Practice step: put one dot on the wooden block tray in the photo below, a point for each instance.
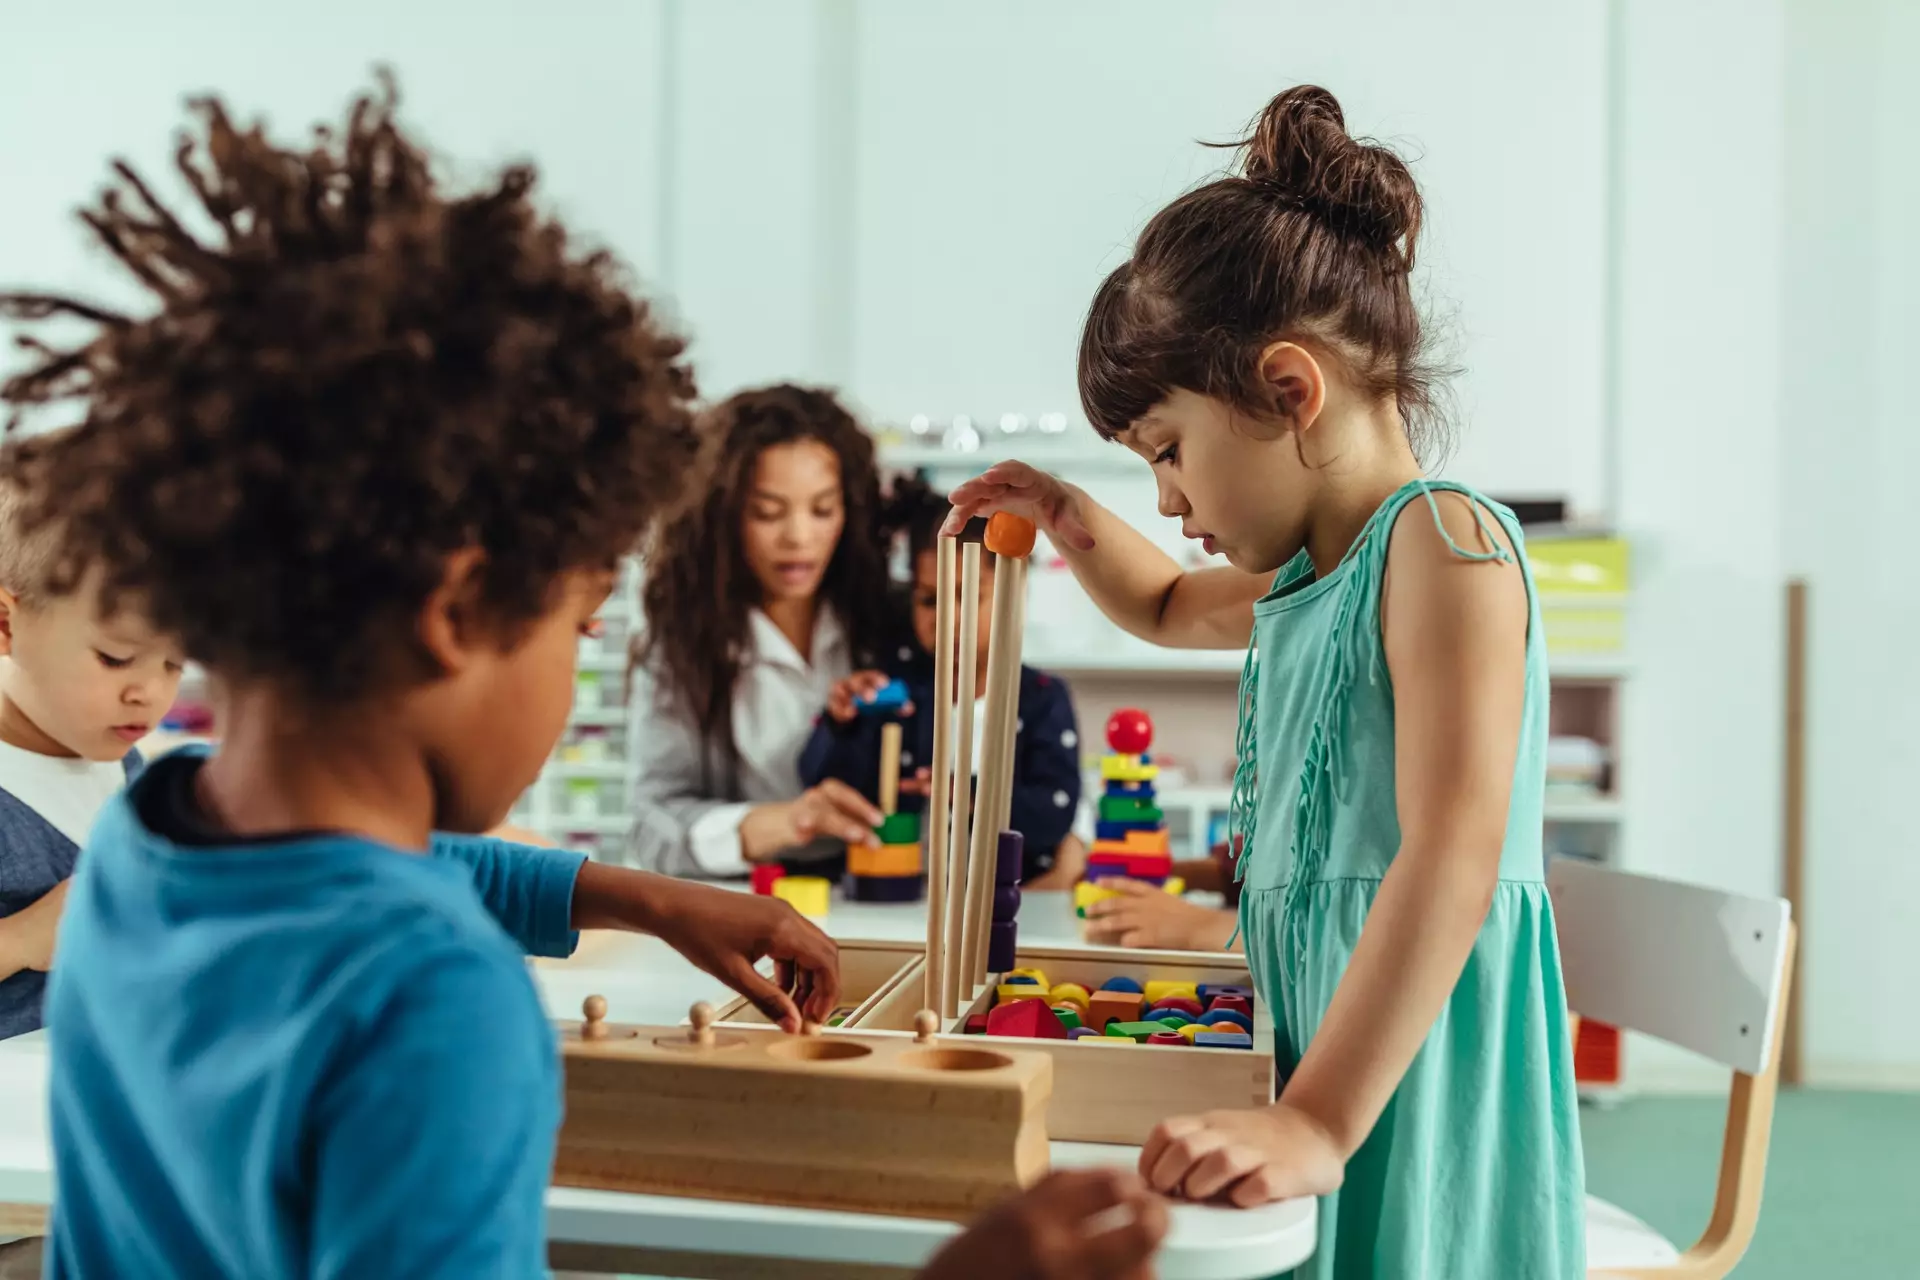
(869, 971)
(873, 1124)
(1102, 1092)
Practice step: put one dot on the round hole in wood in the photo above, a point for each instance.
(818, 1049)
(955, 1060)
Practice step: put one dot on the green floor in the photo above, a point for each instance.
(1843, 1179)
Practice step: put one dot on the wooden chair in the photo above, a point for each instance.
(1704, 970)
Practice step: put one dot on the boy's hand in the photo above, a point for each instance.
(1090, 1224)
(845, 698)
(1145, 915)
(27, 936)
(1014, 486)
(1244, 1158)
(727, 933)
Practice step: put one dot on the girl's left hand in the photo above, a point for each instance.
(1243, 1157)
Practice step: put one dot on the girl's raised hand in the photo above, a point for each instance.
(1051, 504)
(1244, 1158)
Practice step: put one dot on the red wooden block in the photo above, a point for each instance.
(1232, 1004)
(1167, 1037)
(1140, 866)
(764, 874)
(1027, 1018)
(977, 1023)
(1189, 1007)
(1109, 1006)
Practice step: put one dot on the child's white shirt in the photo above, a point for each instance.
(68, 793)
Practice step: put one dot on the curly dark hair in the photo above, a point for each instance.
(1312, 240)
(698, 586)
(356, 376)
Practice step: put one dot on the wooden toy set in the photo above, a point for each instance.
(1130, 834)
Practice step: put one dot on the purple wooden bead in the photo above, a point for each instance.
(1002, 941)
(882, 888)
(1080, 1033)
(1010, 858)
(1006, 902)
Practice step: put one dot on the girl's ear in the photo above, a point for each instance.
(8, 604)
(1295, 383)
(449, 622)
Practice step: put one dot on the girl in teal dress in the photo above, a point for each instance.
(1261, 350)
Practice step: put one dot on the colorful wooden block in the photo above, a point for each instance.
(976, 1024)
(1127, 769)
(1181, 1004)
(1174, 885)
(1128, 809)
(1118, 787)
(1227, 1018)
(1028, 975)
(882, 888)
(1112, 1006)
(1134, 1031)
(1068, 1015)
(1209, 991)
(885, 700)
(1120, 982)
(809, 895)
(1223, 1040)
(1130, 730)
(1086, 893)
(887, 860)
(1069, 991)
(1082, 1033)
(1167, 1038)
(899, 828)
(1121, 830)
(763, 876)
(1232, 1004)
(1163, 989)
(1030, 1019)
(1105, 862)
(1003, 940)
(1008, 992)
(1170, 1017)
(1191, 1030)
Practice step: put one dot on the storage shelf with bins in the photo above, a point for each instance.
(580, 799)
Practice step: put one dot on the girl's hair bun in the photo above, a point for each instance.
(1300, 151)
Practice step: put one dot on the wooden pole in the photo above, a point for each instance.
(890, 767)
(1018, 566)
(967, 660)
(1794, 823)
(945, 555)
(986, 832)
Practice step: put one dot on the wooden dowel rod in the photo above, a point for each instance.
(1013, 571)
(986, 834)
(967, 660)
(1794, 825)
(945, 555)
(890, 767)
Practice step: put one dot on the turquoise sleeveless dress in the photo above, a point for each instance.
(1474, 1171)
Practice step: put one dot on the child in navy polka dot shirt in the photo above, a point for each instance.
(1046, 754)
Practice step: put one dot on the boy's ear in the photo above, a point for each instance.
(449, 622)
(9, 604)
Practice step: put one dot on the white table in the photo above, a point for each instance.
(614, 1231)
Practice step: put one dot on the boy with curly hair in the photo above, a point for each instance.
(373, 457)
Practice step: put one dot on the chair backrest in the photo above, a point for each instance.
(1693, 966)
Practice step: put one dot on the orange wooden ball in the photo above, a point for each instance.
(1009, 535)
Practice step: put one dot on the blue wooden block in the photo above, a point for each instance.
(1223, 1040)
(1208, 990)
(888, 699)
(1130, 790)
(1119, 830)
(1119, 983)
(1230, 1017)
(1019, 979)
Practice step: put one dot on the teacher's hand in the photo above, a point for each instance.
(832, 809)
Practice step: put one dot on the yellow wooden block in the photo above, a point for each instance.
(1161, 989)
(1020, 991)
(1127, 769)
(809, 895)
(1191, 1030)
(1175, 886)
(1069, 991)
(1035, 974)
(887, 860)
(1086, 893)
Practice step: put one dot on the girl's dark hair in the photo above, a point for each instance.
(354, 377)
(917, 509)
(1312, 240)
(699, 588)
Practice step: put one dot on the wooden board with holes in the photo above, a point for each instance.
(872, 1124)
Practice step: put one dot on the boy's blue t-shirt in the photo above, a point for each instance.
(314, 1056)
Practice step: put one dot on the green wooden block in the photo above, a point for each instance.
(1068, 1015)
(1127, 809)
(899, 828)
(1134, 1031)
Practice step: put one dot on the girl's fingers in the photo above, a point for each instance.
(1218, 1170)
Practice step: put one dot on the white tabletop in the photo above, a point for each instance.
(647, 982)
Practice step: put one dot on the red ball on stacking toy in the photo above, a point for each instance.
(1129, 731)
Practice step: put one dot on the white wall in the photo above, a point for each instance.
(1852, 443)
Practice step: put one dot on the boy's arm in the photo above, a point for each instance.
(1046, 788)
(433, 1145)
(528, 890)
(27, 936)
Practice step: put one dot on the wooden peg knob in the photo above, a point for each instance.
(808, 1027)
(700, 1020)
(1010, 535)
(925, 1024)
(594, 1009)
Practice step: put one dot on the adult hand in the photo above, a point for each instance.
(831, 809)
(1145, 915)
(1243, 1157)
(1051, 504)
(727, 933)
(1086, 1224)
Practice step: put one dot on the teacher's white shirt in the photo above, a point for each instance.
(686, 820)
